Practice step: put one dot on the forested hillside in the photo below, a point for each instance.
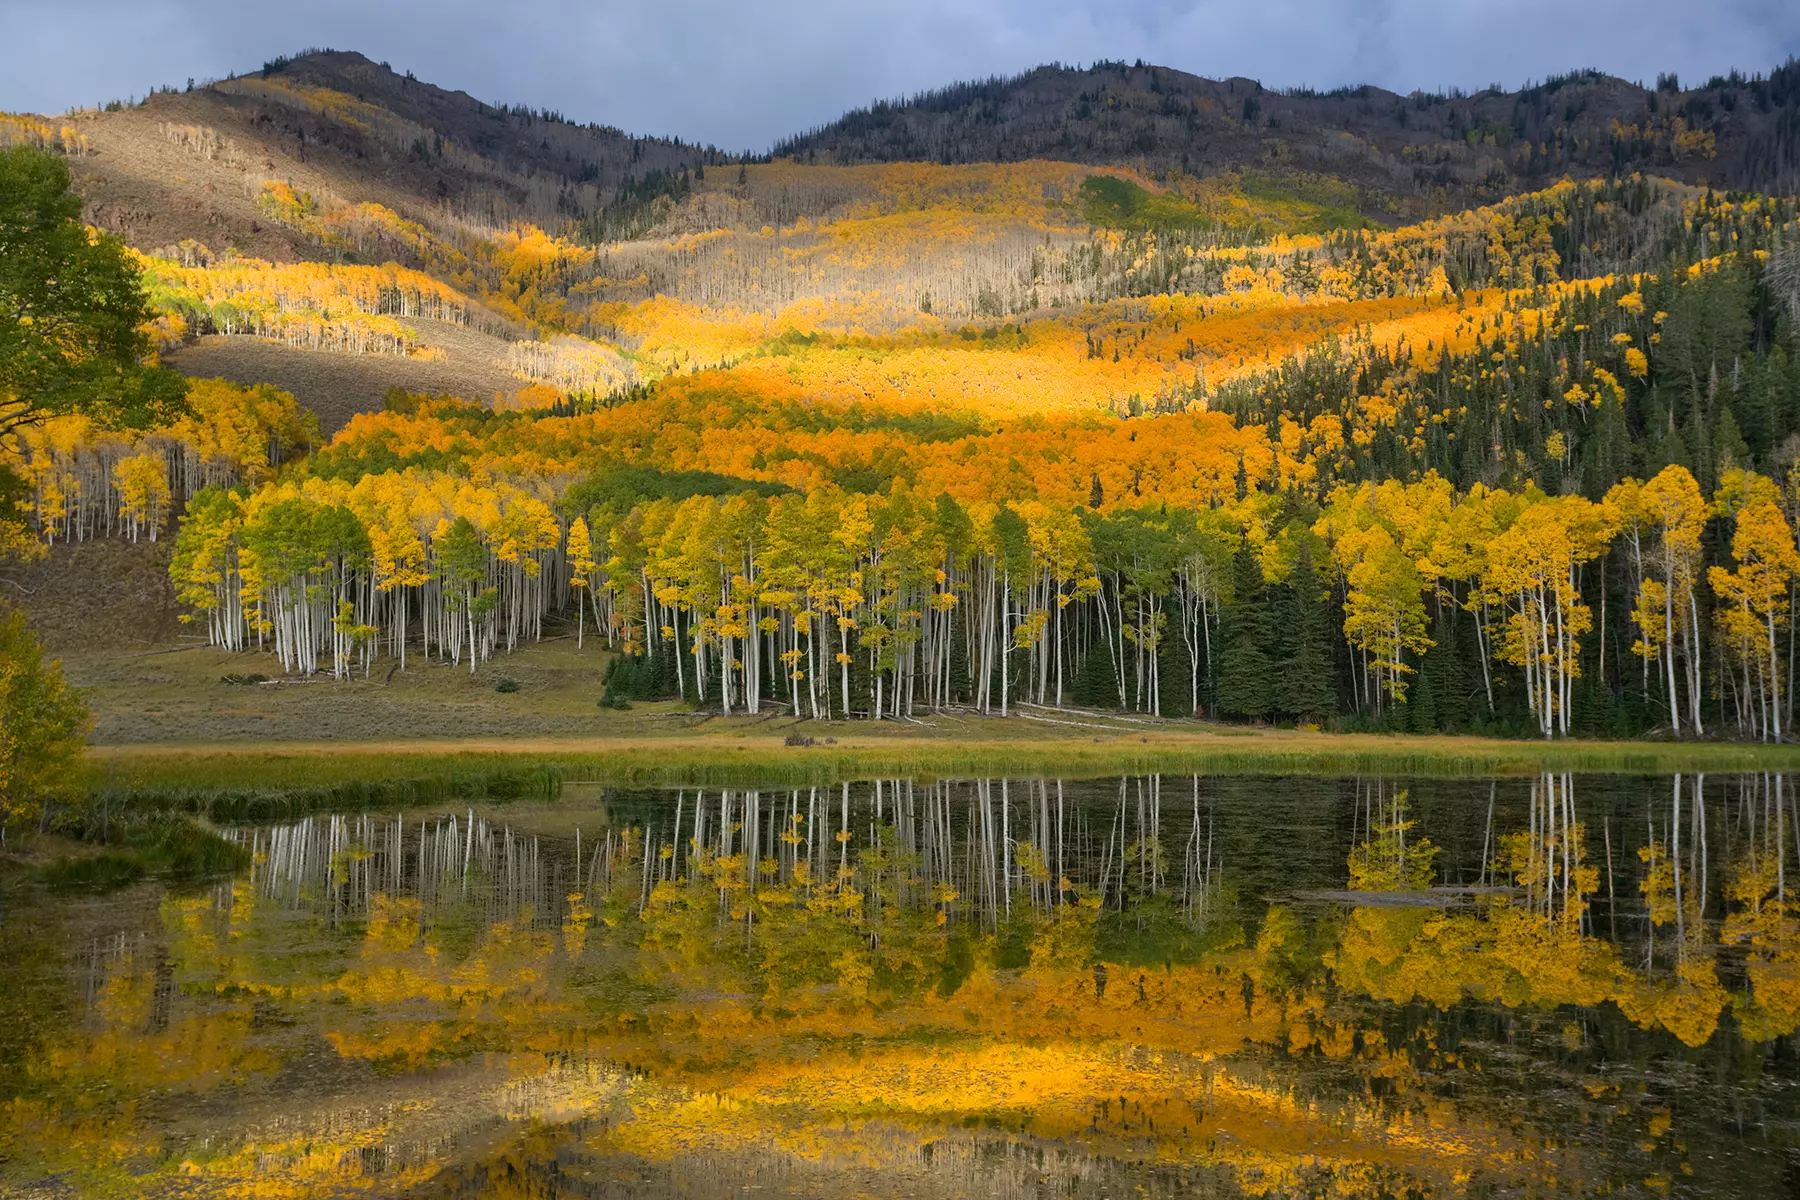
(1115, 388)
(1412, 154)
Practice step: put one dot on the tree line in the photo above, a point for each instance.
(1391, 605)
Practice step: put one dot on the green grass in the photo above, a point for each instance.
(1249, 202)
(271, 781)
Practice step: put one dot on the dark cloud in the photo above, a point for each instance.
(740, 75)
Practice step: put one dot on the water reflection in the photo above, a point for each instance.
(1012, 987)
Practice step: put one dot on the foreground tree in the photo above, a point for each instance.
(71, 307)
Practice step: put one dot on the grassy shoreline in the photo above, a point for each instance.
(184, 775)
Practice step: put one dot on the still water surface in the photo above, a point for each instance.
(1152, 986)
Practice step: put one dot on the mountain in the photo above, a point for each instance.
(371, 231)
(328, 157)
(1419, 151)
(335, 123)
(187, 164)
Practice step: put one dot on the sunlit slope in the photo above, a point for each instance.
(984, 288)
(1084, 284)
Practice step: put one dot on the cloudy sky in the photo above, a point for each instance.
(740, 73)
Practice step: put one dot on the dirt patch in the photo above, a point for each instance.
(98, 597)
(338, 386)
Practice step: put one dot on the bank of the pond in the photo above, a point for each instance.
(87, 854)
(227, 780)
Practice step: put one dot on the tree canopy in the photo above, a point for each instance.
(71, 306)
(42, 722)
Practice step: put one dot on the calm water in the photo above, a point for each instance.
(1139, 987)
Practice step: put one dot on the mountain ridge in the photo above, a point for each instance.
(362, 127)
(1451, 148)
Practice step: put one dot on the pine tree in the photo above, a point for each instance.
(1304, 685)
(1729, 448)
(1438, 703)
(1671, 451)
(1606, 453)
(1245, 687)
(1698, 440)
(1094, 685)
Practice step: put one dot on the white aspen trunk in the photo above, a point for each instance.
(469, 608)
(1694, 666)
(1774, 682)
(1005, 635)
(1669, 652)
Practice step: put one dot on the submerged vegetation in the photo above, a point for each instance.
(140, 844)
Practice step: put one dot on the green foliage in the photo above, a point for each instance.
(101, 872)
(1719, 382)
(70, 310)
(1316, 204)
(184, 849)
(1114, 203)
(16, 537)
(42, 721)
(639, 202)
(461, 557)
(1246, 688)
(175, 847)
(1304, 678)
(1439, 701)
(1095, 685)
(617, 487)
(638, 677)
(296, 538)
(1708, 326)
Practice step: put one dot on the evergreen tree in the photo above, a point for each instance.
(1245, 687)
(1729, 448)
(1439, 700)
(1698, 442)
(1671, 451)
(1304, 680)
(1606, 453)
(1094, 685)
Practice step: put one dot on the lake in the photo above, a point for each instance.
(1149, 986)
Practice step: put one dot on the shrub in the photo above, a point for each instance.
(42, 721)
